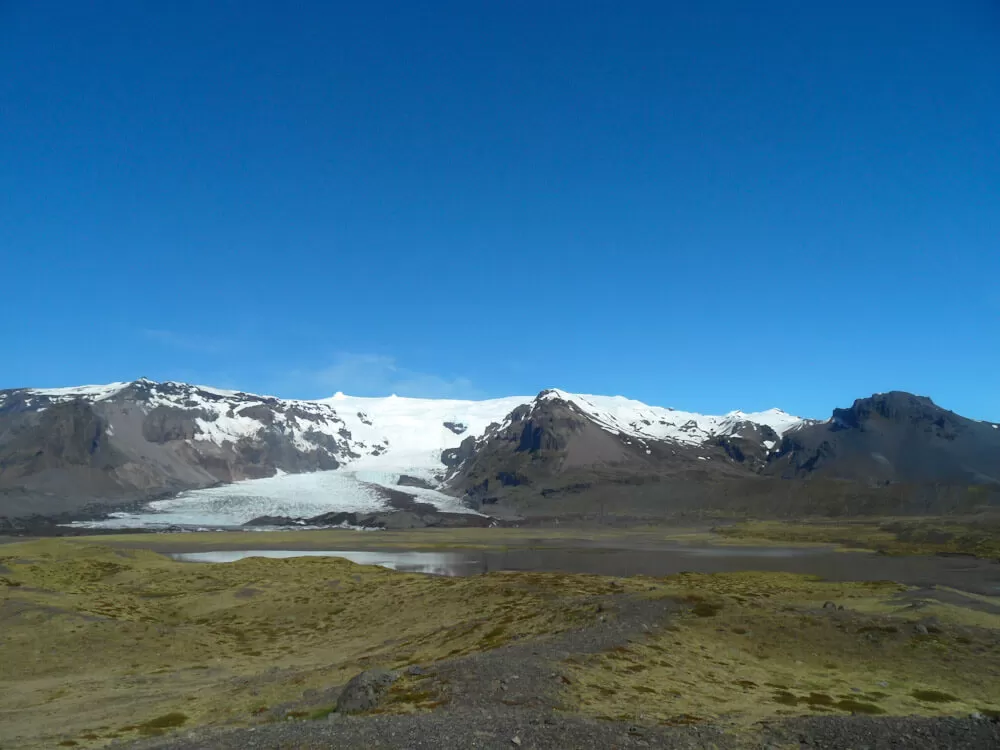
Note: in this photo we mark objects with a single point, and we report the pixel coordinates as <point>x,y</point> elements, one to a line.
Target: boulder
<point>365,691</point>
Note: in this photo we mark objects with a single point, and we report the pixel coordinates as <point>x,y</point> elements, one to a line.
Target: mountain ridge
<point>64,447</point>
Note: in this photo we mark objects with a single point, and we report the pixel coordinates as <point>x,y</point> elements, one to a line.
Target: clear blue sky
<point>706,205</point>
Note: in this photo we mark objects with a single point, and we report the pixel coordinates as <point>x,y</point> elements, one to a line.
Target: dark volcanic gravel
<point>458,730</point>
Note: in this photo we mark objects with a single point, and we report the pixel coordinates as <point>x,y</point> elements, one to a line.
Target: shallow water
<point>965,573</point>
<point>435,563</point>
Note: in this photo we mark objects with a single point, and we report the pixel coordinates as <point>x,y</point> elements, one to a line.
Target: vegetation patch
<point>706,609</point>
<point>859,707</point>
<point>92,632</point>
<point>772,649</point>
<point>107,624</point>
<point>933,696</point>
<point>909,536</point>
<point>159,725</point>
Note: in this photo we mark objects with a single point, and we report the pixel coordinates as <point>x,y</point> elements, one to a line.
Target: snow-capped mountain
<point>391,433</point>
<point>625,416</point>
<point>62,449</point>
<point>143,438</point>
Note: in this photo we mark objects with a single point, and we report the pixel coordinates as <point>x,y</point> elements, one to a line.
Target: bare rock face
<point>165,423</point>
<point>539,441</point>
<point>144,439</point>
<point>550,454</point>
<point>365,691</point>
<point>454,457</point>
<point>749,444</point>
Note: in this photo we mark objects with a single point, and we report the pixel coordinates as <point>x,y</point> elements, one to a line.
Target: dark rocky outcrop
<point>892,437</point>
<point>454,457</point>
<point>165,423</point>
<point>749,444</point>
<point>365,691</point>
<point>890,453</point>
<point>458,428</point>
<point>405,480</point>
<point>392,520</point>
<point>551,444</point>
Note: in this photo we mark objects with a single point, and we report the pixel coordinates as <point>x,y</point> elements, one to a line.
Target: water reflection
<point>472,562</point>
<point>434,563</point>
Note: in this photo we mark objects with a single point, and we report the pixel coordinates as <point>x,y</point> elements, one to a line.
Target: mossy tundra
<point>979,536</point>
<point>756,645</point>
<point>102,643</point>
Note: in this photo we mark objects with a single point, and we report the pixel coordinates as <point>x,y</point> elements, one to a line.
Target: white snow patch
<point>92,392</point>
<point>636,419</point>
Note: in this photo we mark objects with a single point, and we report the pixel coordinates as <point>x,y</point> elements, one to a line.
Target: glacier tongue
<point>283,495</point>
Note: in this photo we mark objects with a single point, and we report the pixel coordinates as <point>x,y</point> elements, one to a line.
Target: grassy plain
<point>101,641</point>
<point>894,536</point>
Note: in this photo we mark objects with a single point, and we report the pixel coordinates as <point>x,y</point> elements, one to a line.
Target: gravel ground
<point>492,730</point>
<point>509,698</point>
<point>871,733</point>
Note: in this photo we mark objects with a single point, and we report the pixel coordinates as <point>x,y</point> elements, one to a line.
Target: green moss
<point>321,713</point>
<point>160,723</point>
<point>818,699</point>
<point>682,720</point>
<point>913,537</point>
<point>933,696</point>
<point>859,707</point>
<point>706,609</point>
<point>494,637</point>
<point>878,629</point>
